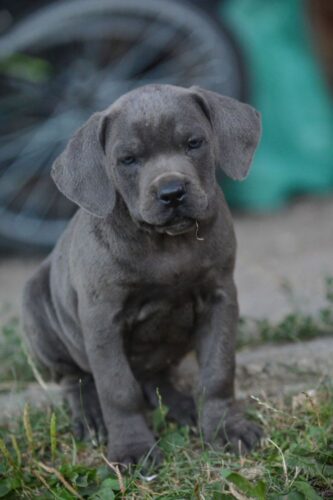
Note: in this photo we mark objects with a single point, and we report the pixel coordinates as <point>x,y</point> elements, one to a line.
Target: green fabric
<point>287,85</point>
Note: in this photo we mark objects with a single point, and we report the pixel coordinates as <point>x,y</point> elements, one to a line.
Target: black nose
<point>172,193</point>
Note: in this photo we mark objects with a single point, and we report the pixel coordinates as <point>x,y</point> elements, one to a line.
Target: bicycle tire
<point>36,32</point>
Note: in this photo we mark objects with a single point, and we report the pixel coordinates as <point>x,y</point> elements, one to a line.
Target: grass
<point>294,327</point>
<point>13,361</point>
<point>39,457</point>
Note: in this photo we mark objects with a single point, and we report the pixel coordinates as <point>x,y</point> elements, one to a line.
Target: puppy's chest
<point>160,322</point>
<point>181,296</point>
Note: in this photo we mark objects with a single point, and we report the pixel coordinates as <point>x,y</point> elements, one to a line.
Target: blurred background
<point>62,60</point>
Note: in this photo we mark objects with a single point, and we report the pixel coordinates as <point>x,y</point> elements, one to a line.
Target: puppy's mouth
<point>176,227</point>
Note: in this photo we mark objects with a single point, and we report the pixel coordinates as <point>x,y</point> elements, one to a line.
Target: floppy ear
<point>79,172</point>
<point>237,130</point>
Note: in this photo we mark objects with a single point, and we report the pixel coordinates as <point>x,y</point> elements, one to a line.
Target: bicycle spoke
<point>142,51</point>
<point>37,221</point>
<point>52,132</point>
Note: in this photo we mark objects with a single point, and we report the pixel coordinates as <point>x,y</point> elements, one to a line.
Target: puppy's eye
<point>194,143</point>
<point>128,160</point>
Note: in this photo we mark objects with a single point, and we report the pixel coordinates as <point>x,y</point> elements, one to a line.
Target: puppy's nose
<point>172,193</point>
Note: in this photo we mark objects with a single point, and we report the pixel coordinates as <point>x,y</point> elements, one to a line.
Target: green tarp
<point>288,87</point>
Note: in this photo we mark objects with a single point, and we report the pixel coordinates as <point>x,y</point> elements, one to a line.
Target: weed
<point>296,326</point>
<point>295,460</point>
<point>13,362</point>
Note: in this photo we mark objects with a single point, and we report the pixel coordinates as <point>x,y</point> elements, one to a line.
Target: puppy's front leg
<point>219,417</point>
<point>129,438</point>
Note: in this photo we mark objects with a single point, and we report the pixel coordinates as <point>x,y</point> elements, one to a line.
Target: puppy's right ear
<point>237,131</point>
<point>79,172</point>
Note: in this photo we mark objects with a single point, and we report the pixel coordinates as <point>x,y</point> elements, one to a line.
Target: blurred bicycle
<point>66,60</point>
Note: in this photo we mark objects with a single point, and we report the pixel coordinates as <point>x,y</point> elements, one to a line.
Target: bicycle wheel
<point>74,57</point>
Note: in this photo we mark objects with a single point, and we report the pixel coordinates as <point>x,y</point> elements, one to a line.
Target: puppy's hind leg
<point>40,328</point>
<point>45,346</point>
<point>181,407</point>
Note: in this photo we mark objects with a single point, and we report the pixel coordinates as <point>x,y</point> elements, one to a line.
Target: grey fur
<point>133,284</point>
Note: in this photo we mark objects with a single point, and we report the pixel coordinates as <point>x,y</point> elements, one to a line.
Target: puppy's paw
<point>224,424</point>
<point>145,453</point>
<point>86,412</point>
<point>240,434</point>
<point>183,410</point>
<point>90,428</point>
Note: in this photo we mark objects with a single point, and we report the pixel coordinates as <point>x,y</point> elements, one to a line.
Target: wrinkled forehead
<point>167,114</point>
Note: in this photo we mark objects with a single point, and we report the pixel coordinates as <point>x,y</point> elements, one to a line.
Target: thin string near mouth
<point>197,232</point>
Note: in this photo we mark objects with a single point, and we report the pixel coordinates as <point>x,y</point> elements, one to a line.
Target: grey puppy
<point>144,271</point>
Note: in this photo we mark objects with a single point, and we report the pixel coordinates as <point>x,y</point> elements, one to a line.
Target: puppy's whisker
<point>197,232</point>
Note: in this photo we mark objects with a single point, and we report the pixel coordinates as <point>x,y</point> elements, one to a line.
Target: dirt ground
<point>294,246</point>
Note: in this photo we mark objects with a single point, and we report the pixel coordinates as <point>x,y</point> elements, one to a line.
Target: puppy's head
<point>158,147</point>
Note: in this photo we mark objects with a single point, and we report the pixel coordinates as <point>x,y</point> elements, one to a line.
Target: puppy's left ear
<point>237,130</point>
